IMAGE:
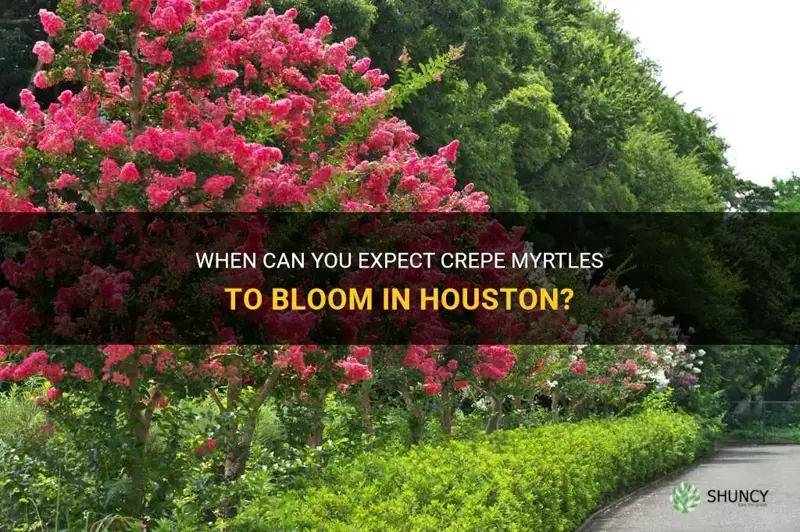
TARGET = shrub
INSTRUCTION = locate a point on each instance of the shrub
(548, 478)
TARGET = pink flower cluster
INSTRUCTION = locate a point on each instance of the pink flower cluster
(578, 367)
(51, 22)
(495, 362)
(89, 41)
(36, 363)
(354, 367)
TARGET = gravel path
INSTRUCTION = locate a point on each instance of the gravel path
(752, 467)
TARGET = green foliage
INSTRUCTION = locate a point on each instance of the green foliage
(663, 181)
(20, 417)
(544, 479)
(761, 433)
(412, 81)
(543, 134)
(787, 194)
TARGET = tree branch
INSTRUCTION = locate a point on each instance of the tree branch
(217, 401)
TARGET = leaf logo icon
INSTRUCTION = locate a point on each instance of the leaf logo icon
(685, 498)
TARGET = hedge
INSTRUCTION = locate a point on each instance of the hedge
(545, 479)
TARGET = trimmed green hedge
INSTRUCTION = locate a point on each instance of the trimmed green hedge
(544, 479)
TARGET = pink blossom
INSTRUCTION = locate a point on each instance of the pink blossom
(81, 372)
(166, 20)
(99, 22)
(361, 352)
(111, 7)
(354, 370)
(121, 379)
(54, 394)
(494, 362)
(129, 173)
(165, 155)
(44, 51)
(41, 80)
(51, 22)
(217, 185)
(64, 181)
(225, 77)
(449, 151)
(89, 42)
(578, 367)
(431, 388)
(362, 65)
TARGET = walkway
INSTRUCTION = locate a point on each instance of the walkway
(764, 467)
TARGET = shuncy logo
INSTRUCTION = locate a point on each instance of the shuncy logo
(685, 498)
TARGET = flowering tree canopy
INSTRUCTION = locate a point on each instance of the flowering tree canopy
(207, 106)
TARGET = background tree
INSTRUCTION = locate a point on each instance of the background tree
(545, 100)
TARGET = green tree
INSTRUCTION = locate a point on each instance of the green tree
(550, 101)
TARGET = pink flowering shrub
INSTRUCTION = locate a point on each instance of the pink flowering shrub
(603, 378)
(177, 93)
(198, 106)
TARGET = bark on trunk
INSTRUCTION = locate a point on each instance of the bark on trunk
(446, 412)
(315, 433)
(366, 410)
(365, 401)
(497, 413)
(415, 409)
(137, 96)
(139, 422)
(240, 440)
(417, 424)
(554, 406)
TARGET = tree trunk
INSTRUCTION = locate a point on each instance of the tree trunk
(446, 412)
(366, 402)
(497, 413)
(366, 410)
(317, 408)
(238, 442)
(554, 406)
(233, 461)
(139, 421)
(417, 424)
(137, 96)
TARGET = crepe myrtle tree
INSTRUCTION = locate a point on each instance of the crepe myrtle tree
(216, 105)
(192, 106)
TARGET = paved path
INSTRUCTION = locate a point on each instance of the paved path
(764, 467)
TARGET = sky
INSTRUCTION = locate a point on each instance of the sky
(737, 61)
